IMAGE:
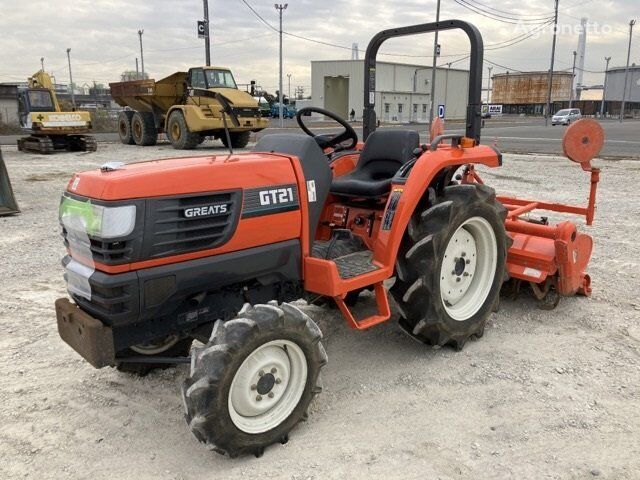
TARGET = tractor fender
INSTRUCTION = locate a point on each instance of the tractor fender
(408, 193)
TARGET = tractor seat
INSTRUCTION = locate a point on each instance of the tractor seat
(384, 152)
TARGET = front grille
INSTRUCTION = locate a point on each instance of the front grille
(246, 112)
(184, 224)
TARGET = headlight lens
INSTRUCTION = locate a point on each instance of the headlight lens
(97, 220)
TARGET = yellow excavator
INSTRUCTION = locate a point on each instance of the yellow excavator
(51, 128)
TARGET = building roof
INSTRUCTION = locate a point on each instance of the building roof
(633, 67)
(527, 74)
(413, 65)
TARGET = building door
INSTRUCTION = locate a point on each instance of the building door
(336, 95)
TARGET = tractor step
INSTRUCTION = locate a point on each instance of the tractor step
(355, 264)
(383, 314)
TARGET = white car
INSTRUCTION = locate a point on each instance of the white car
(566, 116)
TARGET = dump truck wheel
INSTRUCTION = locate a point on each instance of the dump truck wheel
(124, 127)
(451, 266)
(143, 129)
(254, 380)
(171, 346)
(238, 139)
(178, 132)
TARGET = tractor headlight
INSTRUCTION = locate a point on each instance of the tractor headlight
(97, 220)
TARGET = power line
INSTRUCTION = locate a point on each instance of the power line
(498, 17)
(513, 14)
(259, 16)
(516, 40)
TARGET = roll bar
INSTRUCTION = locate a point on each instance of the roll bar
(474, 103)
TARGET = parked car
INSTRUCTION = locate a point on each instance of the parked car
(263, 106)
(287, 111)
(566, 116)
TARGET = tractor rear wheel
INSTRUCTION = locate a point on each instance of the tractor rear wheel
(254, 380)
(238, 139)
(170, 346)
(451, 266)
(179, 134)
(124, 127)
(143, 129)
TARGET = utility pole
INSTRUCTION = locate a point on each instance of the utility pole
(42, 63)
(604, 90)
(137, 71)
(207, 44)
(140, 32)
(280, 7)
(289, 77)
(489, 87)
(446, 83)
(626, 72)
(433, 68)
(573, 76)
(73, 97)
(553, 57)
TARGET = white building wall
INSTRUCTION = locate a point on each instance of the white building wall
(397, 99)
(9, 111)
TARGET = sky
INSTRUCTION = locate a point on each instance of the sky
(102, 35)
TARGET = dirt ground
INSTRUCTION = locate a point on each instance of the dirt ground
(543, 395)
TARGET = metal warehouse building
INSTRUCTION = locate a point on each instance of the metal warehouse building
(615, 86)
(402, 95)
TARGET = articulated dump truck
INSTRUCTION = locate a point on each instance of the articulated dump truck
(188, 107)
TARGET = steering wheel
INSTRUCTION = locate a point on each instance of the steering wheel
(329, 140)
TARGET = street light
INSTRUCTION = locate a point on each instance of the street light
(626, 72)
(73, 97)
(573, 76)
(140, 32)
(604, 89)
(280, 7)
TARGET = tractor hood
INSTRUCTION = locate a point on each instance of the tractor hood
(184, 176)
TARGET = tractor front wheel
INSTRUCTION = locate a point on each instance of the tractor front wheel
(169, 346)
(254, 380)
(451, 266)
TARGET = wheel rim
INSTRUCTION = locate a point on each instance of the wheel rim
(175, 131)
(154, 348)
(268, 386)
(123, 129)
(137, 129)
(468, 268)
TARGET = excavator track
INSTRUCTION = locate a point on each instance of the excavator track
(36, 144)
(46, 145)
(82, 143)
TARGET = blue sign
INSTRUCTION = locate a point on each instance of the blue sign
(441, 111)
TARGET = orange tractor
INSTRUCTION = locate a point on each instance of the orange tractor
(212, 248)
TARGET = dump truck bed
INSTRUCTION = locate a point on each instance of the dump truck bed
(149, 95)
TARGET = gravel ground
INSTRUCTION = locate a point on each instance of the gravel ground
(541, 395)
